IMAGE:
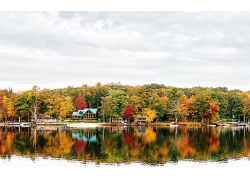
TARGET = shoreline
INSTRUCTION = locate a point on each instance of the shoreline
(96, 124)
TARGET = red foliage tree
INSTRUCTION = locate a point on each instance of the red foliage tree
(207, 112)
(128, 111)
(215, 108)
(80, 102)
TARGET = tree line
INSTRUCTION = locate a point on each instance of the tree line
(156, 102)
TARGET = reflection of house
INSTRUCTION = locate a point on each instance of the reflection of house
(83, 137)
(40, 130)
(87, 113)
(44, 118)
(118, 129)
(140, 130)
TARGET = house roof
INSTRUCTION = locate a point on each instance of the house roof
(81, 112)
(92, 110)
(76, 114)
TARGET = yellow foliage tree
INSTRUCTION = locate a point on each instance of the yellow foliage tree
(66, 107)
(9, 106)
(62, 106)
(150, 114)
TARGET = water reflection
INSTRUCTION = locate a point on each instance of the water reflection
(126, 145)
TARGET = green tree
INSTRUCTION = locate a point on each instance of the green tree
(175, 106)
(235, 103)
(157, 103)
(114, 104)
(222, 98)
(245, 105)
(22, 105)
(200, 104)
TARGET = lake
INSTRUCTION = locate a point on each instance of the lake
(153, 150)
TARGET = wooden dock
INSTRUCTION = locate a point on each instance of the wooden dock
(31, 124)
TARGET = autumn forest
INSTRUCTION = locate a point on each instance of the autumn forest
(156, 101)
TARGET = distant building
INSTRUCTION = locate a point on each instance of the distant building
(119, 120)
(140, 118)
(87, 113)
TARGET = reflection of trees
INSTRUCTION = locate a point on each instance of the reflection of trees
(79, 147)
(112, 148)
(58, 145)
(147, 145)
(150, 136)
(23, 144)
(156, 150)
(6, 140)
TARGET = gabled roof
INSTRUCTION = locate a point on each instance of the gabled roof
(92, 110)
(81, 112)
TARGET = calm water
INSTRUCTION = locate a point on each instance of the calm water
(124, 146)
(127, 153)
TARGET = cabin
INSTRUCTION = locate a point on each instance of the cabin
(86, 114)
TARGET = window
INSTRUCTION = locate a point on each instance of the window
(88, 115)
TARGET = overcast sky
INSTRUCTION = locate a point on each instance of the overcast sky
(184, 49)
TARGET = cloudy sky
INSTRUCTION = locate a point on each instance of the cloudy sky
(176, 48)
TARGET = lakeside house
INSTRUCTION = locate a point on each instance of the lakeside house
(86, 114)
(140, 118)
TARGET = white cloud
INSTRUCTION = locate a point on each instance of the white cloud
(171, 48)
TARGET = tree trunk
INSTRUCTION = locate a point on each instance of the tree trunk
(89, 104)
(35, 110)
(175, 117)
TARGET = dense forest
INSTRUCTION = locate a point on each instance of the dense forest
(155, 101)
